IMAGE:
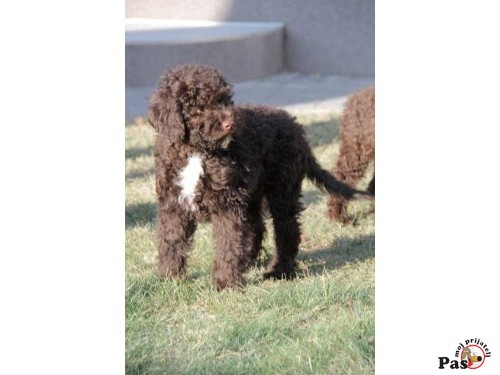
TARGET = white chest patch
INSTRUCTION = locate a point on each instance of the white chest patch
(188, 179)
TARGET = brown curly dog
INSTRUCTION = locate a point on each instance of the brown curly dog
(357, 148)
(217, 161)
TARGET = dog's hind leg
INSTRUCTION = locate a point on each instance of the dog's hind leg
(285, 208)
(351, 165)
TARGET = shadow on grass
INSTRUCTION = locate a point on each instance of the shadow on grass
(322, 133)
(344, 251)
(133, 153)
(139, 214)
(311, 196)
(170, 364)
(139, 174)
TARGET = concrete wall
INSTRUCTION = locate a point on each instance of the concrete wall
(322, 36)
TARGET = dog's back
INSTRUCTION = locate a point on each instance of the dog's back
(274, 138)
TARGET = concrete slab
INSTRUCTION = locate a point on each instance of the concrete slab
(294, 92)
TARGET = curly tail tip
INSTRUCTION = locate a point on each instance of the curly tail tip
(324, 180)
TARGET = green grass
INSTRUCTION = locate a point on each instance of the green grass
(320, 323)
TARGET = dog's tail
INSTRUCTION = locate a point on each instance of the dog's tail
(324, 180)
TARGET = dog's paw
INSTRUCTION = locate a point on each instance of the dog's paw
(279, 273)
(226, 283)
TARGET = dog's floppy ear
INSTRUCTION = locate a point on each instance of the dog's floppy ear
(165, 114)
(465, 353)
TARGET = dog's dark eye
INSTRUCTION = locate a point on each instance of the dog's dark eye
(221, 100)
(224, 100)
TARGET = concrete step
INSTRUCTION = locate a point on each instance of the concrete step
(242, 50)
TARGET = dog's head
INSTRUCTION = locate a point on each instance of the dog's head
(466, 353)
(193, 104)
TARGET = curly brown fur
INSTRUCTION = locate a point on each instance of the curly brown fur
(357, 148)
(218, 162)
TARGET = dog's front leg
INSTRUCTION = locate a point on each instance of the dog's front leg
(234, 248)
(176, 227)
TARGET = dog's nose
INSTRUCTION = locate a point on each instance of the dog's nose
(479, 358)
(226, 125)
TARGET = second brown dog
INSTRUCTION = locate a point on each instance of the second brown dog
(357, 148)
